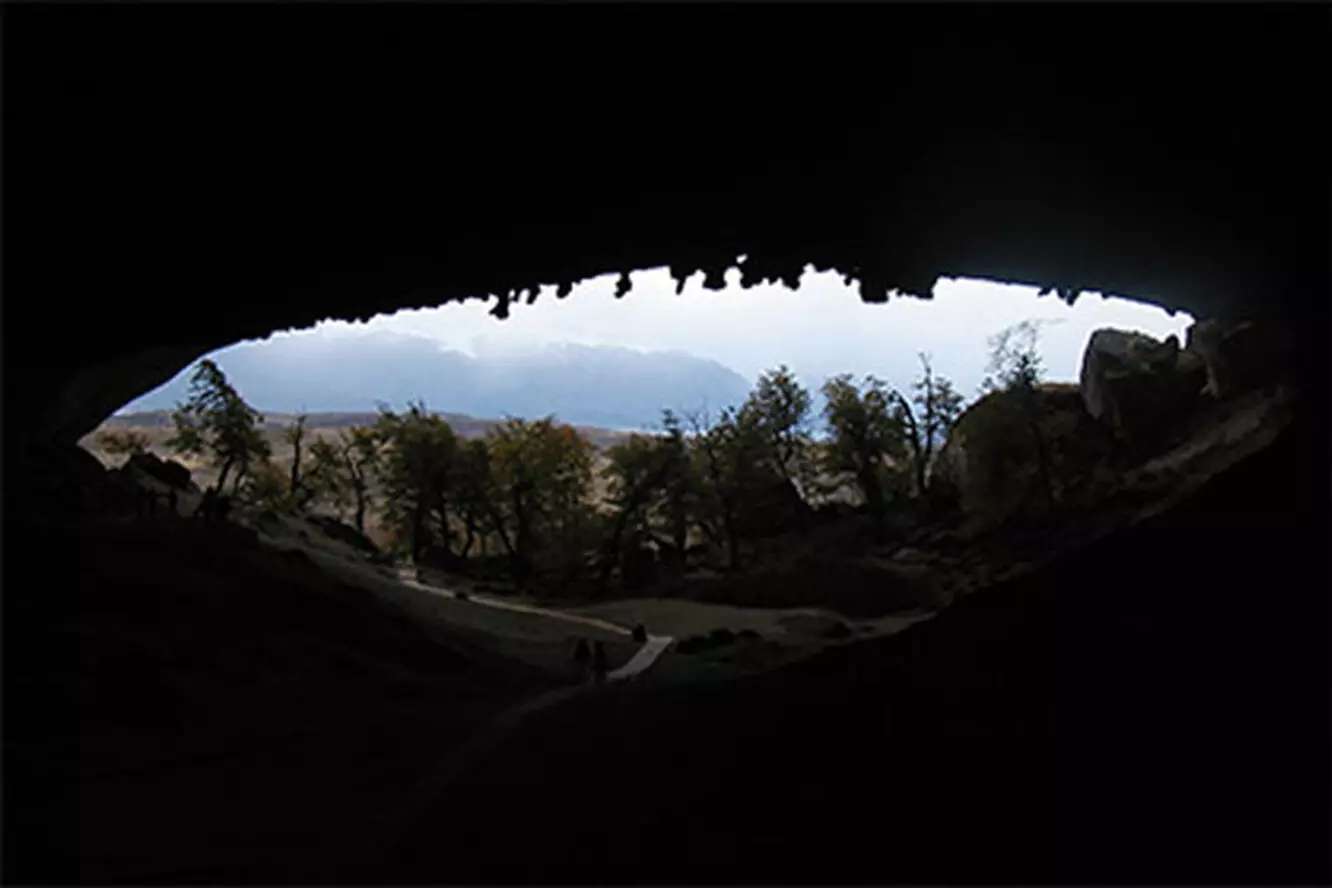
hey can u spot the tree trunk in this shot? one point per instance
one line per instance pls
(611, 554)
(296, 465)
(418, 531)
(874, 504)
(471, 538)
(442, 510)
(222, 478)
(922, 458)
(360, 510)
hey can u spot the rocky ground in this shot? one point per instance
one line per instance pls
(1150, 707)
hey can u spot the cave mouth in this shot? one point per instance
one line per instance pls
(621, 350)
(820, 328)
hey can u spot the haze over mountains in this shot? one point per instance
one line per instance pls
(604, 386)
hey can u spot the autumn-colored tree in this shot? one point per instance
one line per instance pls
(417, 471)
(215, 422)
(341, 472)
(474, 496)
(267, 486)
(542, 472)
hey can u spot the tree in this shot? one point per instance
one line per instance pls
(267, 487)
(777, 410)
(417, 471)
(295, 436)
(543, 473)
(216, 422)
(679, 493)
(341, 472)
(729, 459)
(123, 442)
(648, 480)
(1016, 369)
(866, 433)
(1015, 363)
(474, 495)
(926, 418)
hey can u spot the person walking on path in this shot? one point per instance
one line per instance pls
(599, 662)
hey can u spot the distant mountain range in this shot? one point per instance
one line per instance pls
(604, 386)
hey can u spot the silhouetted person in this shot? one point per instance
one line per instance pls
(599, 662)
(582, 653)
(640, 634)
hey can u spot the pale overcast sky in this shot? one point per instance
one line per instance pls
(820, 330)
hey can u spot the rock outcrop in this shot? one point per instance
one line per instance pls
(168, 471)
(1241, 355)
(992, 460)
(1131, 382)
(344, 533)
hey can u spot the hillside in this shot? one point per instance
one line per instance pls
(157, 425)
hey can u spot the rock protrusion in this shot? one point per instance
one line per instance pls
(1131, 382)
(1240, 356)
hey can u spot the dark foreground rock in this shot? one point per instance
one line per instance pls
(345, 533)
(1132, 382)
(168, 471)
(181, 698)
(1151, 709)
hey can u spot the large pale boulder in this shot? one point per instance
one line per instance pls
(1131, 382)
(991, 461)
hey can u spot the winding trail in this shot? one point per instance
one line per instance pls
(463, 758)
(407, 577)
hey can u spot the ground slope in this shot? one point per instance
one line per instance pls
(1148, 709)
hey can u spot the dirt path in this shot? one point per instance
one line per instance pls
(407, 578)
(435, 782)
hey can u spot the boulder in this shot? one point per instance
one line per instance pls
(1240, 356)
(345, 533)
(167, 471)
(1130, 382)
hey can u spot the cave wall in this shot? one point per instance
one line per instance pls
(177, 179)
